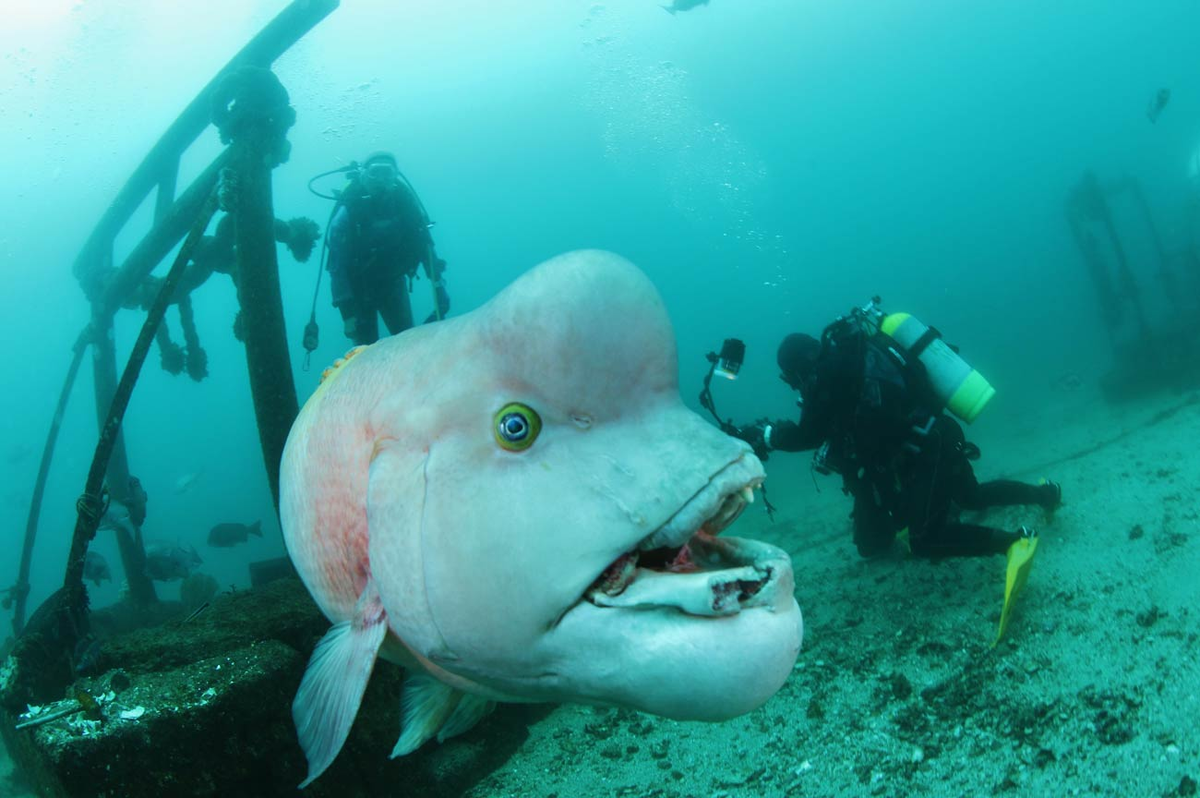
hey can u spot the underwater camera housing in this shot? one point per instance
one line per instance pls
(729, 362)
(820, 461)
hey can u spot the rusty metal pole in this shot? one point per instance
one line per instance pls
(253, 115)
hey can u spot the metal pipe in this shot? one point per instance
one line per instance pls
(271, 381)
(20, 591)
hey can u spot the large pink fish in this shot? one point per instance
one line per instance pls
(516, 505)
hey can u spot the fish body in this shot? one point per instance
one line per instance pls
(516, 505)
(683, 5)
(166, 563)
(137, 502)
(95, 568)
(87, 655)
(231, 534)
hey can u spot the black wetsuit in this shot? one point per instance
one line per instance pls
(903, 460)
(375, 244)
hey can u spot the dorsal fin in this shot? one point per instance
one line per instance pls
(341, 361)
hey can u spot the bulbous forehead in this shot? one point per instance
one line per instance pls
(586, 324)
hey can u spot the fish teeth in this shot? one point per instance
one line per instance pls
(676, 534)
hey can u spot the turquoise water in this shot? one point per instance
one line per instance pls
(769, 163)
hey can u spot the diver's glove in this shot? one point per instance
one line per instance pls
(757, 435)
(443, 302)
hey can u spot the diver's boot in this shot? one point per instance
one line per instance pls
(1026, 533)
(1051, 494)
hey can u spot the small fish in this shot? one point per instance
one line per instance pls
(116, 517)
(137, 502)
(185, 482)
(87, 655)
(226, 535)
(683, 5)
(95, 568)
(165, 563)
(1157, 103)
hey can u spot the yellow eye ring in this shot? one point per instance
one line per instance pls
(516, 426)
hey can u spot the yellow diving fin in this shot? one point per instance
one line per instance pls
(1020, 560)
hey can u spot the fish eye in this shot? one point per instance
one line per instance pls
(516, 426)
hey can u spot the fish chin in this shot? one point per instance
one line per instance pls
(656, 658)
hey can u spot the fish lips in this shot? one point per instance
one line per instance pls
(684, 566)
(687, 625)
(711, 577)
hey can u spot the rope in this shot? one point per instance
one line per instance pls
(312, 333)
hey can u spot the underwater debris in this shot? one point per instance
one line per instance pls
(89, 704)
(196, 612)
(83, 702)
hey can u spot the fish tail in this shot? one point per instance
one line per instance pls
(256, 528)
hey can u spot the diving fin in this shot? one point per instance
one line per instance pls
(1020, 560)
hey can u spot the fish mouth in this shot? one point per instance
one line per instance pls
(684, 565)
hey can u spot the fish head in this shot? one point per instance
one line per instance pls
(544, 510)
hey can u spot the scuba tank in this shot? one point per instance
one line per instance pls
(961, 388)
(953, 382)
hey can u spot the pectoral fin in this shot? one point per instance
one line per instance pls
(334, 682)
(432, 708)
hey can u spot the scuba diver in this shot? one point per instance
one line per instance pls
(873, 391)
(378, 235)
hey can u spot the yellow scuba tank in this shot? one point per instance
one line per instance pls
(963, 389)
